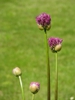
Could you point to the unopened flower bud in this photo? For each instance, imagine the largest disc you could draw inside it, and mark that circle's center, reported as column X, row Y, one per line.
column 17, row 71
column 58, row 47
column 34, row 87
column 40, row 27
column 48, row 27
column 72, row 98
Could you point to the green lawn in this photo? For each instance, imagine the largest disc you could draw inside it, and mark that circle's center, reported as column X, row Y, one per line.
column 22, row 45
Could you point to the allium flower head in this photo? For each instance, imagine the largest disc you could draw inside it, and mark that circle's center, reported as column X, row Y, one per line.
column 55, row 44
column 44, row 21
column 34, row 87
column 17, row 71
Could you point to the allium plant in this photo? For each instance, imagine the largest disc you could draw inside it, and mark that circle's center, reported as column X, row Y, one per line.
column 55, row 45
column 34, row 86
column 17, row 72
column 44, row 22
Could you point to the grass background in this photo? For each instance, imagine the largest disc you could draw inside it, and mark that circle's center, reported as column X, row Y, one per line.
column 22, row 44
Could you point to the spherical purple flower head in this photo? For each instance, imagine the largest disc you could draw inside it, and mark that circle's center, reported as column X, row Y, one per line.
column 34, row 87
column 44, row 21
column 55, row 44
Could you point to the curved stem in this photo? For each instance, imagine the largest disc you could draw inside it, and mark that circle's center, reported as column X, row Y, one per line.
column 21, row 87
column 56, row 80
column 48, row 67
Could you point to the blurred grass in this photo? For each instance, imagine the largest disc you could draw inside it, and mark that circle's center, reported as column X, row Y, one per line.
column 22, row 44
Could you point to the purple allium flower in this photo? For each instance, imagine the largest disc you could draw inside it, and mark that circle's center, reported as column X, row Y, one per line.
column 34, row 87
column 44, row 21
column 17, row 71
column 55, row 44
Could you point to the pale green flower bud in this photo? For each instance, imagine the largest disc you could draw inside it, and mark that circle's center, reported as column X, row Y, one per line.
column 72, row 98
column 17, row 71
column 34, row 87
column 40, row 26
column 48, row 27
column 58, row 47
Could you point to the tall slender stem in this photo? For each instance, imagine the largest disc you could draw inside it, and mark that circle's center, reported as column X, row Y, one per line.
column 48, row 68
column 56, row 80
column 21, row 87
column 33, row 96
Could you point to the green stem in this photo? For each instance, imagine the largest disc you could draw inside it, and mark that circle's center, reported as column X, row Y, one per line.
column 48, row 67
column 56, row 80
column 21, row 87
column 33, row 96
